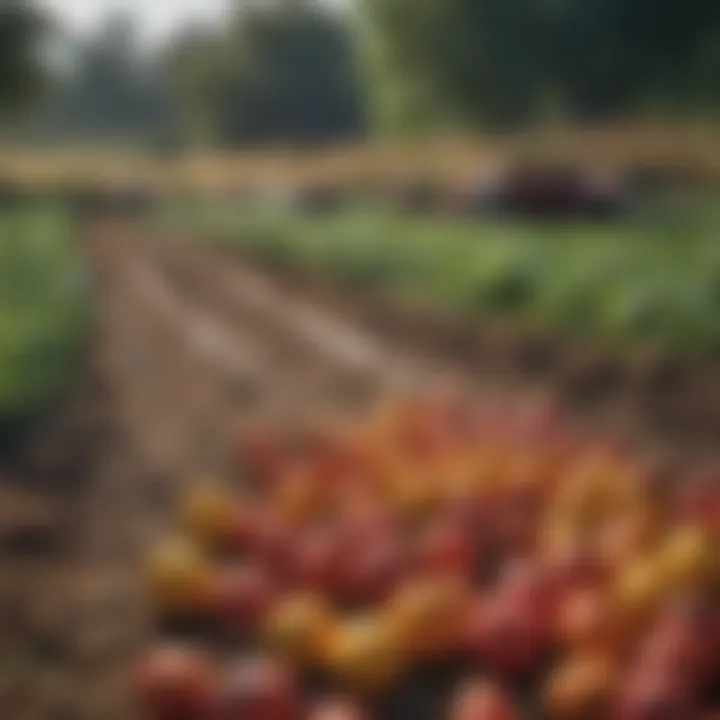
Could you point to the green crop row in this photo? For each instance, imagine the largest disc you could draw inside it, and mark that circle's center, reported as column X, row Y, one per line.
column 652, row 280
column 43, row 309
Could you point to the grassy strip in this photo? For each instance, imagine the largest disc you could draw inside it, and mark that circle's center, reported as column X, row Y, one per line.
column 653, row 280
column 43, row 310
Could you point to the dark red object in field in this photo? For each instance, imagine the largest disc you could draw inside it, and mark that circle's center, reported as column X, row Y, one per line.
column 480, row 700
column 317, row 560
column 553, row 192
column 259, row 688
column 242, row 596
column 173, row 683
column 338, row 709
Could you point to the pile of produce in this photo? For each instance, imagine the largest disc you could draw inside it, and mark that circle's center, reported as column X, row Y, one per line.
column 547, row 572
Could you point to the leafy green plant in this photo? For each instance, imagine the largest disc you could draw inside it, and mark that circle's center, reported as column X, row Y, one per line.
column 639, row 281
column 43, row 307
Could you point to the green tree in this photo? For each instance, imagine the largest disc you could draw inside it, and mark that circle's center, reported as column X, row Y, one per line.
column 505, row 61
column 113, row 90
column 283, row 71
column 22, row 27
column 467, row 61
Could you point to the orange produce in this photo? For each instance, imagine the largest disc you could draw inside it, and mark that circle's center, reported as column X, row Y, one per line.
column 593, row 488
column 427, row 615
column 491, row 469
column 588, row 619
column 580, row 688
column 365, row 653
column 532, row 472
column 559, row 539
column 688, row 559
column 207, row 515
column 639, row 590
column 299, row 496
column 627, row 536
column 414, row 494
column 179, row 577
column 457, row 474
column 298, row 627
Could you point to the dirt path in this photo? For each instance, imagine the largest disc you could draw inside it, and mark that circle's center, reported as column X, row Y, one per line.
column 187, row 349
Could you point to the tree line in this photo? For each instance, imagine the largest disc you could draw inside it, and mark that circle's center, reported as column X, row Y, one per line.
column 482, row 62
column 307, row 71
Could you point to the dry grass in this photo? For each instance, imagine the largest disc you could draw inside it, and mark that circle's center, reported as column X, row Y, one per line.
column 691, row 151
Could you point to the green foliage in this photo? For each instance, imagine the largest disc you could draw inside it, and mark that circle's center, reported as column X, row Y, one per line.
column 42, row 309
column 506, row 61
column 113, row 92
column 21, row 29
column 468, row 59
column 282, row 71
column 631, row 283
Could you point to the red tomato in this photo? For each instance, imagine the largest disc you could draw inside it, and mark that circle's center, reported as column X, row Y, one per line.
column 576, row 569
column 258, row 533
column 507, row 635
column 174, row 683
column 446, row 547
column 515, row 531
column 698, row 501
column 588, row 620
column 529, row 584
column 259, row 688
column 480, row 700
column 373, row 569
column 653, row 695
column 338, row 709
column 684, row 642
column 475, row 632
column 366, row 517
column 243, row 596
column 471, row 515
column 317, row 561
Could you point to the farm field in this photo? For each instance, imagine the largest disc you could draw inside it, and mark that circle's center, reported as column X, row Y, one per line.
column 197, row 344
column 359, row 360
column 650, row 281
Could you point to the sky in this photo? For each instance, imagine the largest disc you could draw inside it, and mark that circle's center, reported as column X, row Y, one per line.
column 157, row 18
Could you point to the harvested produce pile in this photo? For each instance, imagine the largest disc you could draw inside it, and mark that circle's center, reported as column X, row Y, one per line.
column 439, row 536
